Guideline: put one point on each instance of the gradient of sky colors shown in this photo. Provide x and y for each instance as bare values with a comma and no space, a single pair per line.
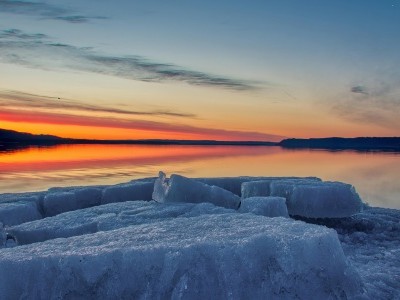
228,70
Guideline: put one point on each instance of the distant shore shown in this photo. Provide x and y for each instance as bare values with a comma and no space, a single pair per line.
337,143
10,140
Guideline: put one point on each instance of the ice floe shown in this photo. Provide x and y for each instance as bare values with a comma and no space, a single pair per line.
228,256
229,238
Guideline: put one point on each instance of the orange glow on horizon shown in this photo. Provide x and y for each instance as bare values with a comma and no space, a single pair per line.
89,132
94,127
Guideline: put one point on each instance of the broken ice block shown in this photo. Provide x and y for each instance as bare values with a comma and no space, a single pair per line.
182,189
265,206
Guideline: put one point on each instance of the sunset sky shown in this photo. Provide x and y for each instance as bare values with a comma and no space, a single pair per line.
224,70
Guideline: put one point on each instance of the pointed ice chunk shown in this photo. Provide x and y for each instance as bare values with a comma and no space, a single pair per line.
183,189
160,187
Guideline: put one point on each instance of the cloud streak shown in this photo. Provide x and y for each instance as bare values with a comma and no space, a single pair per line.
44,11
359,89
376,101
12,115
26,100
39,51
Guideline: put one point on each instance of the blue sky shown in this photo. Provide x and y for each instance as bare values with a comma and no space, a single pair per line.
285,68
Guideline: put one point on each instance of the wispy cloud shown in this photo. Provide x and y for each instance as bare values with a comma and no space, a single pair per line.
18,34
375,101
13,115
359,89
39,51
27,100
44,10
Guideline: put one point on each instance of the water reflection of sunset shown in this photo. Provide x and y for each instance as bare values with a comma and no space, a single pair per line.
71,156
374,174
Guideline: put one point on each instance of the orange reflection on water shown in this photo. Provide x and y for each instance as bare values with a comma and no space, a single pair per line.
375,175
71,156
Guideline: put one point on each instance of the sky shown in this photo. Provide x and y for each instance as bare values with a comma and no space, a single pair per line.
221,70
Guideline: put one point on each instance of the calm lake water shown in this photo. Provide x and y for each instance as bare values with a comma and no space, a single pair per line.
376,176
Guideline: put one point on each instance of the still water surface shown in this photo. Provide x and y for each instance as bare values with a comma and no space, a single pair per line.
376,176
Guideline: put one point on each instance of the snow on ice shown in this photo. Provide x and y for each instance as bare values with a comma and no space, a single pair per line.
226,238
